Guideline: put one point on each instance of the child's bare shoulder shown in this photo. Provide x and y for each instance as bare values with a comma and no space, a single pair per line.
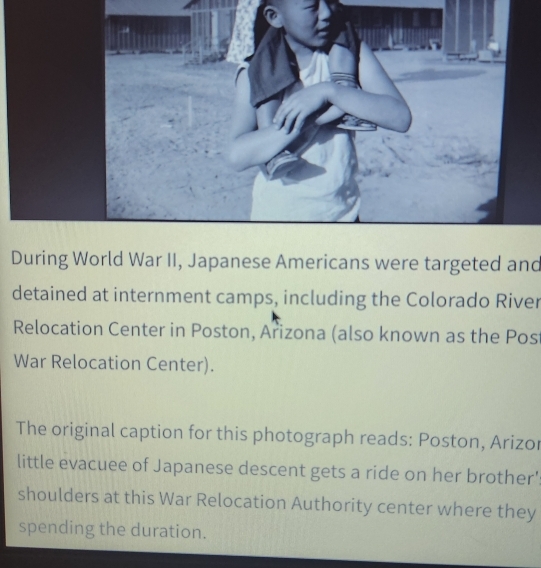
242,83
244,117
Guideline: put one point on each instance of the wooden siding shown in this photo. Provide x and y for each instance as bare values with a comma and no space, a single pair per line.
468,25
212,29
212,24
146,8
146,33
416,4
382,28
213,20
211,4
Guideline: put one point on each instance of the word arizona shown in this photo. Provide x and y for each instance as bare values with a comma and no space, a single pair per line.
292,333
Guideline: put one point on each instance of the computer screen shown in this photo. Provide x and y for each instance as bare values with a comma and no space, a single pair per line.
269,284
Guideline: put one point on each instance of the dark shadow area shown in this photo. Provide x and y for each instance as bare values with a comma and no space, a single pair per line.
520,185
303,172
490,207
56,109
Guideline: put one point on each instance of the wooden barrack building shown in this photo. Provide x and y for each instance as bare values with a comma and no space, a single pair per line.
146,25
470,25
398,23
381,23
461,26
206,26
212,23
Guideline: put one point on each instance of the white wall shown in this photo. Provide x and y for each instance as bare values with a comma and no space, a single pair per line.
501,22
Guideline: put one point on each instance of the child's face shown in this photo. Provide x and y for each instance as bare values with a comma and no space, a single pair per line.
308,21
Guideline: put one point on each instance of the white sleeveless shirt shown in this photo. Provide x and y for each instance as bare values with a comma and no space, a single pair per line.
322,186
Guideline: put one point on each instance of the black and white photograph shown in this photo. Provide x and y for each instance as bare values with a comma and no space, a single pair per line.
371,111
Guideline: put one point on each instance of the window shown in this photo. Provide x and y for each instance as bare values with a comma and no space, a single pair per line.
434,20
416,19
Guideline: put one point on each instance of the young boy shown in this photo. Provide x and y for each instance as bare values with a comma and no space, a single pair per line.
272,69
321,185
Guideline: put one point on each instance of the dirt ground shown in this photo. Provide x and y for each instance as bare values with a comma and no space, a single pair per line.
445,169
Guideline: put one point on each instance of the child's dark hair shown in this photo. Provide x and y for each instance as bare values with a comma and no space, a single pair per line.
261,24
